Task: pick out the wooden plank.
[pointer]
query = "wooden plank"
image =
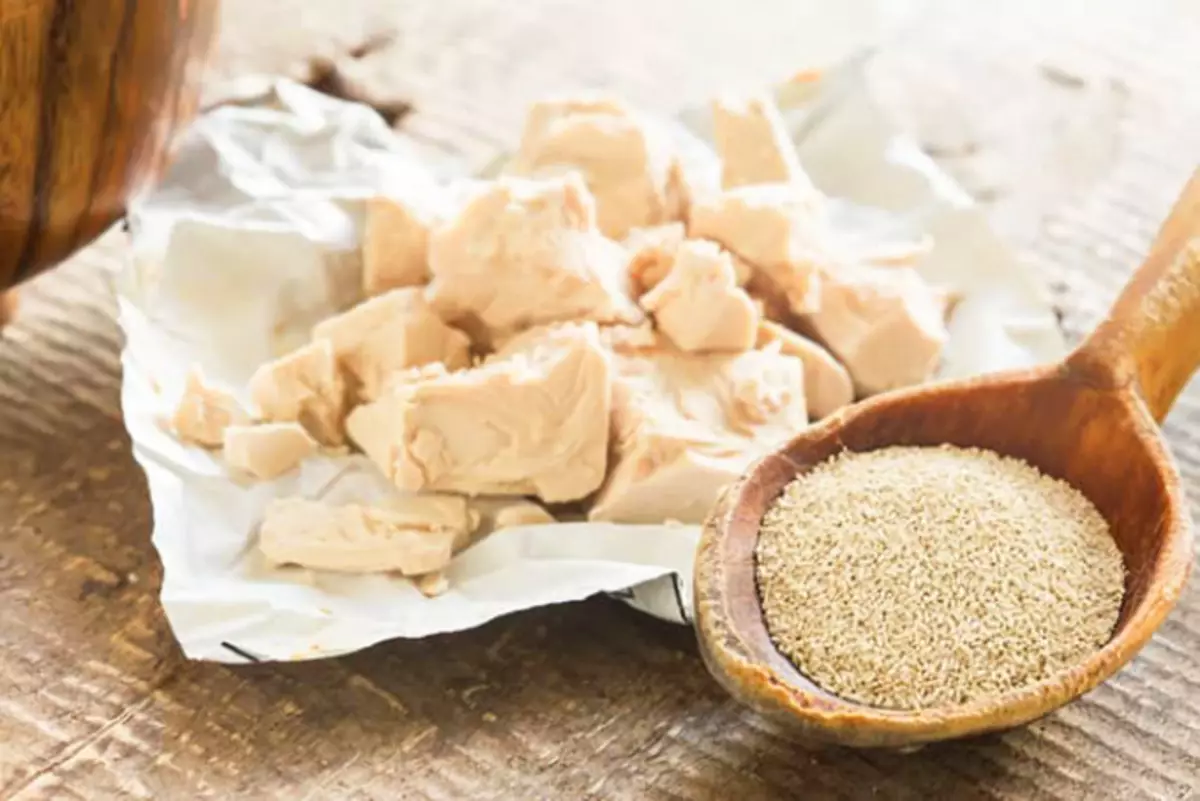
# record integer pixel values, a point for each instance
(1077, 127)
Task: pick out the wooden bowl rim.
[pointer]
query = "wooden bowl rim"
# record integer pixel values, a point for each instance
(749, 675)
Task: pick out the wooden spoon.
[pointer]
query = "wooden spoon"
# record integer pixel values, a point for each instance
(1090, 420)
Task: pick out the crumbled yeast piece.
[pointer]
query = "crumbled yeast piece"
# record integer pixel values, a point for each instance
(753, 143)
(436, 510)
(389, 333)
(411, 376)
(204, 413)
(628, 166)
(525, 253)
(827, 384)
(629, 338)
(530, 420)
(395, 245)
(267, 450)
(780, 229)
(522, 513)
(885, 324)
(698, 306)
(304, 386)
(352, 538)
(686, 425)
(497, 512)
(652, 252)
(489, 513)
(432, 585)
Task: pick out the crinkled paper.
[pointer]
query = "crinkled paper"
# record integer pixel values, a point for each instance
(253, 237)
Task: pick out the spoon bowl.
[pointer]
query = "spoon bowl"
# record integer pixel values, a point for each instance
(1091, 421)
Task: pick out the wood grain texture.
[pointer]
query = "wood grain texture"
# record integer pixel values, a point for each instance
(90, 93)
(1078, 127)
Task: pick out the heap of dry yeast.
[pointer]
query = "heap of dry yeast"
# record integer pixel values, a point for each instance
(917, 577)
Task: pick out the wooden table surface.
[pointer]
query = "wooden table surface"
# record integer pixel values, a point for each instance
(1076, 127)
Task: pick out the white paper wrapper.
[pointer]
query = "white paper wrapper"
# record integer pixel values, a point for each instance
(253, 237)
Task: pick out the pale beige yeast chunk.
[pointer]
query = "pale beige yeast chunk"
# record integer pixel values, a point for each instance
(267, 450)
(531, 420)
(505, 512)
(392, 332)
(651, 254)
(686, 425)
(524, 253)
(489, 513)
(204, 412)
(395, 245)
(304, 386)
(436, 510)
(885, 324)
(352, 538)
(628, 166)
(630, 338)
(431, 585)
(699, 306)
(753, 144)
(522, 513)
(781, 229)
(827, 384)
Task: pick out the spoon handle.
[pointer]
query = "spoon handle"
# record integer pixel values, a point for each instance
(1152, 333)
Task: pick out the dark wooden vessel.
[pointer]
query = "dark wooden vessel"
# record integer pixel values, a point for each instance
(91, 93)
